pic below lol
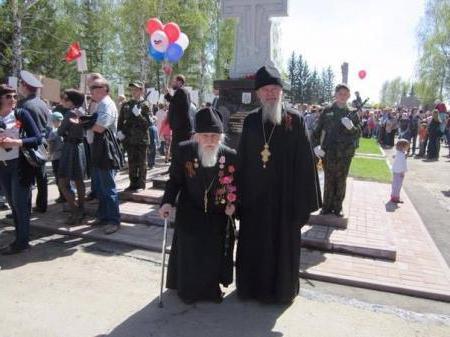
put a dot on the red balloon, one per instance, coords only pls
(153, 25)
(362, 74)
(167, 68)
(173, 31)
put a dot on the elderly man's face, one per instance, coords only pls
(208, 141)
(98, 91)
(270, 93)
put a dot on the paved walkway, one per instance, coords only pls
(419, 268)
(67, 287)
(428, 186)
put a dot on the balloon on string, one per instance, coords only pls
(362, 74)
(159, 41)
(174, 53)
(183, 41)
(156, 55)
(153, 25)
(172, 31)
(167, 69)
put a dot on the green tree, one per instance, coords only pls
(434, 62)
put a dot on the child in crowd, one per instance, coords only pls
(399, 169)
(55, 145)
(423, 136)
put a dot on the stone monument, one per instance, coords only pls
(344, 69)
(252, 50)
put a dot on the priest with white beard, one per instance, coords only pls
(202, 186)
(278, 189)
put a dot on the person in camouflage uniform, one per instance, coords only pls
(335, 139)
(134, 120)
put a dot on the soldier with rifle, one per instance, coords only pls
(335, 140)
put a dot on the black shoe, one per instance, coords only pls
(90, 197)
(130, 189)
(39, 210)
(60, 200)
(325, 212)
(339, 214)
(14, 249)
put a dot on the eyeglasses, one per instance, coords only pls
(11, 96)
(96, 87)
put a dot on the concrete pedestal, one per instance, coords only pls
(237, 98)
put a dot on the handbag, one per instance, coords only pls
(35, 156)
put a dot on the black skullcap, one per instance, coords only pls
(208, 120)
(267, 75)
(75, 96)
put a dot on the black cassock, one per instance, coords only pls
(201, 257)
(274, 203)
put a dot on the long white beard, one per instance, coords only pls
(272, 112)
(208, 157)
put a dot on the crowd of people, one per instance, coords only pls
(84, 136)
(425, 130)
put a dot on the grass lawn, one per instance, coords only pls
(370, 169)
(368, 146)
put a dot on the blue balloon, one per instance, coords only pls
(174, 53)
(156, 55)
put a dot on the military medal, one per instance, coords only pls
(265, 153)
(196, 163)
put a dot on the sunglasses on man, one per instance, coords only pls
(11, 96)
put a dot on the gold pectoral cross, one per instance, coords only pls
(265, 155)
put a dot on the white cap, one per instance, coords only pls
(30, 79)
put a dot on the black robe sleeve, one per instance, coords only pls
(308, 188)
(176, 179)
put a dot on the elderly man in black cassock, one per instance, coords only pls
(278, 189)
(202, 182)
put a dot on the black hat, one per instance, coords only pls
(75, 96)
(208, 120)
(267, 75)
(136, 84)
(6, 89)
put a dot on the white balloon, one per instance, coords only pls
(183, 41)
(159, 41)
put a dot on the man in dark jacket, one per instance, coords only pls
(39, 111)
(178, 114)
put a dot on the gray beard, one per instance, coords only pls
(208, 158)
(272, 112)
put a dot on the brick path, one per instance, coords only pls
(419, 268)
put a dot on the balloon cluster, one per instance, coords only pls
(167, 42)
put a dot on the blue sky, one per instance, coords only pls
(378, 36)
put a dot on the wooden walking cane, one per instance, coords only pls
(163, 253)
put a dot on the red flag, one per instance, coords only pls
(73, 52)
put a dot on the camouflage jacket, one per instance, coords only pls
(135, 128)
(332, 135)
